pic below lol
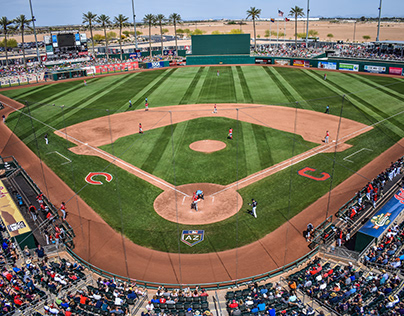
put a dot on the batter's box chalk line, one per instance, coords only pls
(58, 153)
(358, 151)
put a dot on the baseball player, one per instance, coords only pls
(85, 83)
(140, 128)
(146, 106)
(63, 210)
(327, 109)
(214, 109)
(327, 137)
(195, 200)
(130, 103)
(254, 207)
(325, 76)
(231, 133)
(46, 139)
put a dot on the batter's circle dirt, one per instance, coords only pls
(219, 203)
(207, 145)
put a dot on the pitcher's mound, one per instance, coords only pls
(217, 205)
(207, 145)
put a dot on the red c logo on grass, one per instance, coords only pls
(303, 173)
(89, 178)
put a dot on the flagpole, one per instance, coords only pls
(277, 32)
(284, 30)
(270, 22)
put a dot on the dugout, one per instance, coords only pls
(220, 49)
(66, 74)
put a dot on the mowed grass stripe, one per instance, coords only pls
(251, 148)
(237, 86)
(76, 109)
(246, 91)
(140, 147)
(187, 95)
(367, 104)
(147, 94)
(19, 95)
(160, 146)
(167, 155)
(218, 88)
(292, 85)
(278, 83)
(264, 148)
(139, 88)
(385, 90)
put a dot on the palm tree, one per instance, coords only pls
(160, 19)
(120, 21)
(296, 12)
(254, 13)
(151, 20)
(4, 24)
(90, 18)
(175, 18)
(105, 22)
(21, 23)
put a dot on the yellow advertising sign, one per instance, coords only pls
(10, 214)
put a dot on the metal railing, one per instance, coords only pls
(207, 286)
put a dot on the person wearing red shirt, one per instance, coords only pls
(140, 128)
(231, 133)
(63, 210)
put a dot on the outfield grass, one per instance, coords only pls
(368, 99)
(259, 147)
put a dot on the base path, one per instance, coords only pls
(99, 244)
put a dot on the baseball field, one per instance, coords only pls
(278, 121)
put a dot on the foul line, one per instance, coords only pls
(356, 153)
(56, 152)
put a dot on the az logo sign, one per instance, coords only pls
(89, 179)
(192, 237)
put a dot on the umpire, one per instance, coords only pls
(254, 207)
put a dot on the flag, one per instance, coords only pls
(280, 13)
(273, 20)
(286, 19)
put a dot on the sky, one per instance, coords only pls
(58, 12)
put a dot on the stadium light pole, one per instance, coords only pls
(378, 24)
(307, 24)
(134, 21)
(33, 25)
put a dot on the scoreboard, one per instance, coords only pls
(65, 44)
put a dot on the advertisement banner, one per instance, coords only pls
(376, 226)
(263, 61)
(396, 71)
(131, 65)
(135, 55)
(375, 69)
(168, 52)
(327, 65)
(348, 67)
(155, 64)
(301, 63)
(283, 62)
(10, 214)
